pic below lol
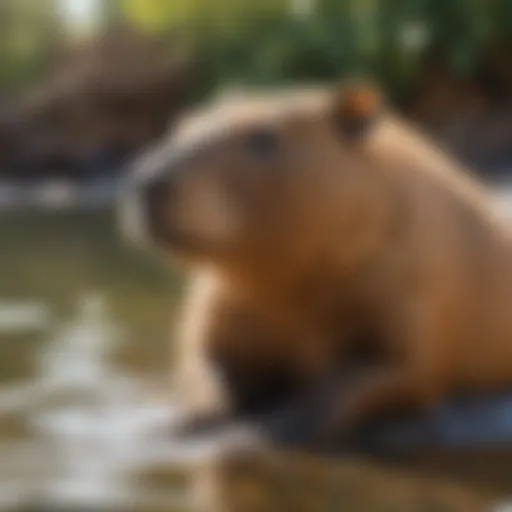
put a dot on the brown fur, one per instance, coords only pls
(343, 235)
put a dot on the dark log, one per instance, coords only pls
(456, 457)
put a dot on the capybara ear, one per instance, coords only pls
(356, 108)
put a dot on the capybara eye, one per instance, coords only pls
(262, 144)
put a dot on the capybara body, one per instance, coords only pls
(310, 221)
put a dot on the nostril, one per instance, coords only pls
(157, 191)
(157, 195)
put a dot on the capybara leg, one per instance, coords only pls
(380, 391)
(415, 375)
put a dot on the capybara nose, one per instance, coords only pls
(156, 196)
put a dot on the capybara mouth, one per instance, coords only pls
(169, 239)
(177, 242)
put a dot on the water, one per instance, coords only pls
(94, 427)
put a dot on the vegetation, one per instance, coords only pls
(448, 63)
(29, 32)
(269, 41)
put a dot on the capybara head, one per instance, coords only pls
(261, 177)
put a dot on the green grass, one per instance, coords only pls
(58, 256)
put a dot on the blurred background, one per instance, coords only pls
(86, 84)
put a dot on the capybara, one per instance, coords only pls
(312, 219)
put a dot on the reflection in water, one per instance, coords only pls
(95, 427)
